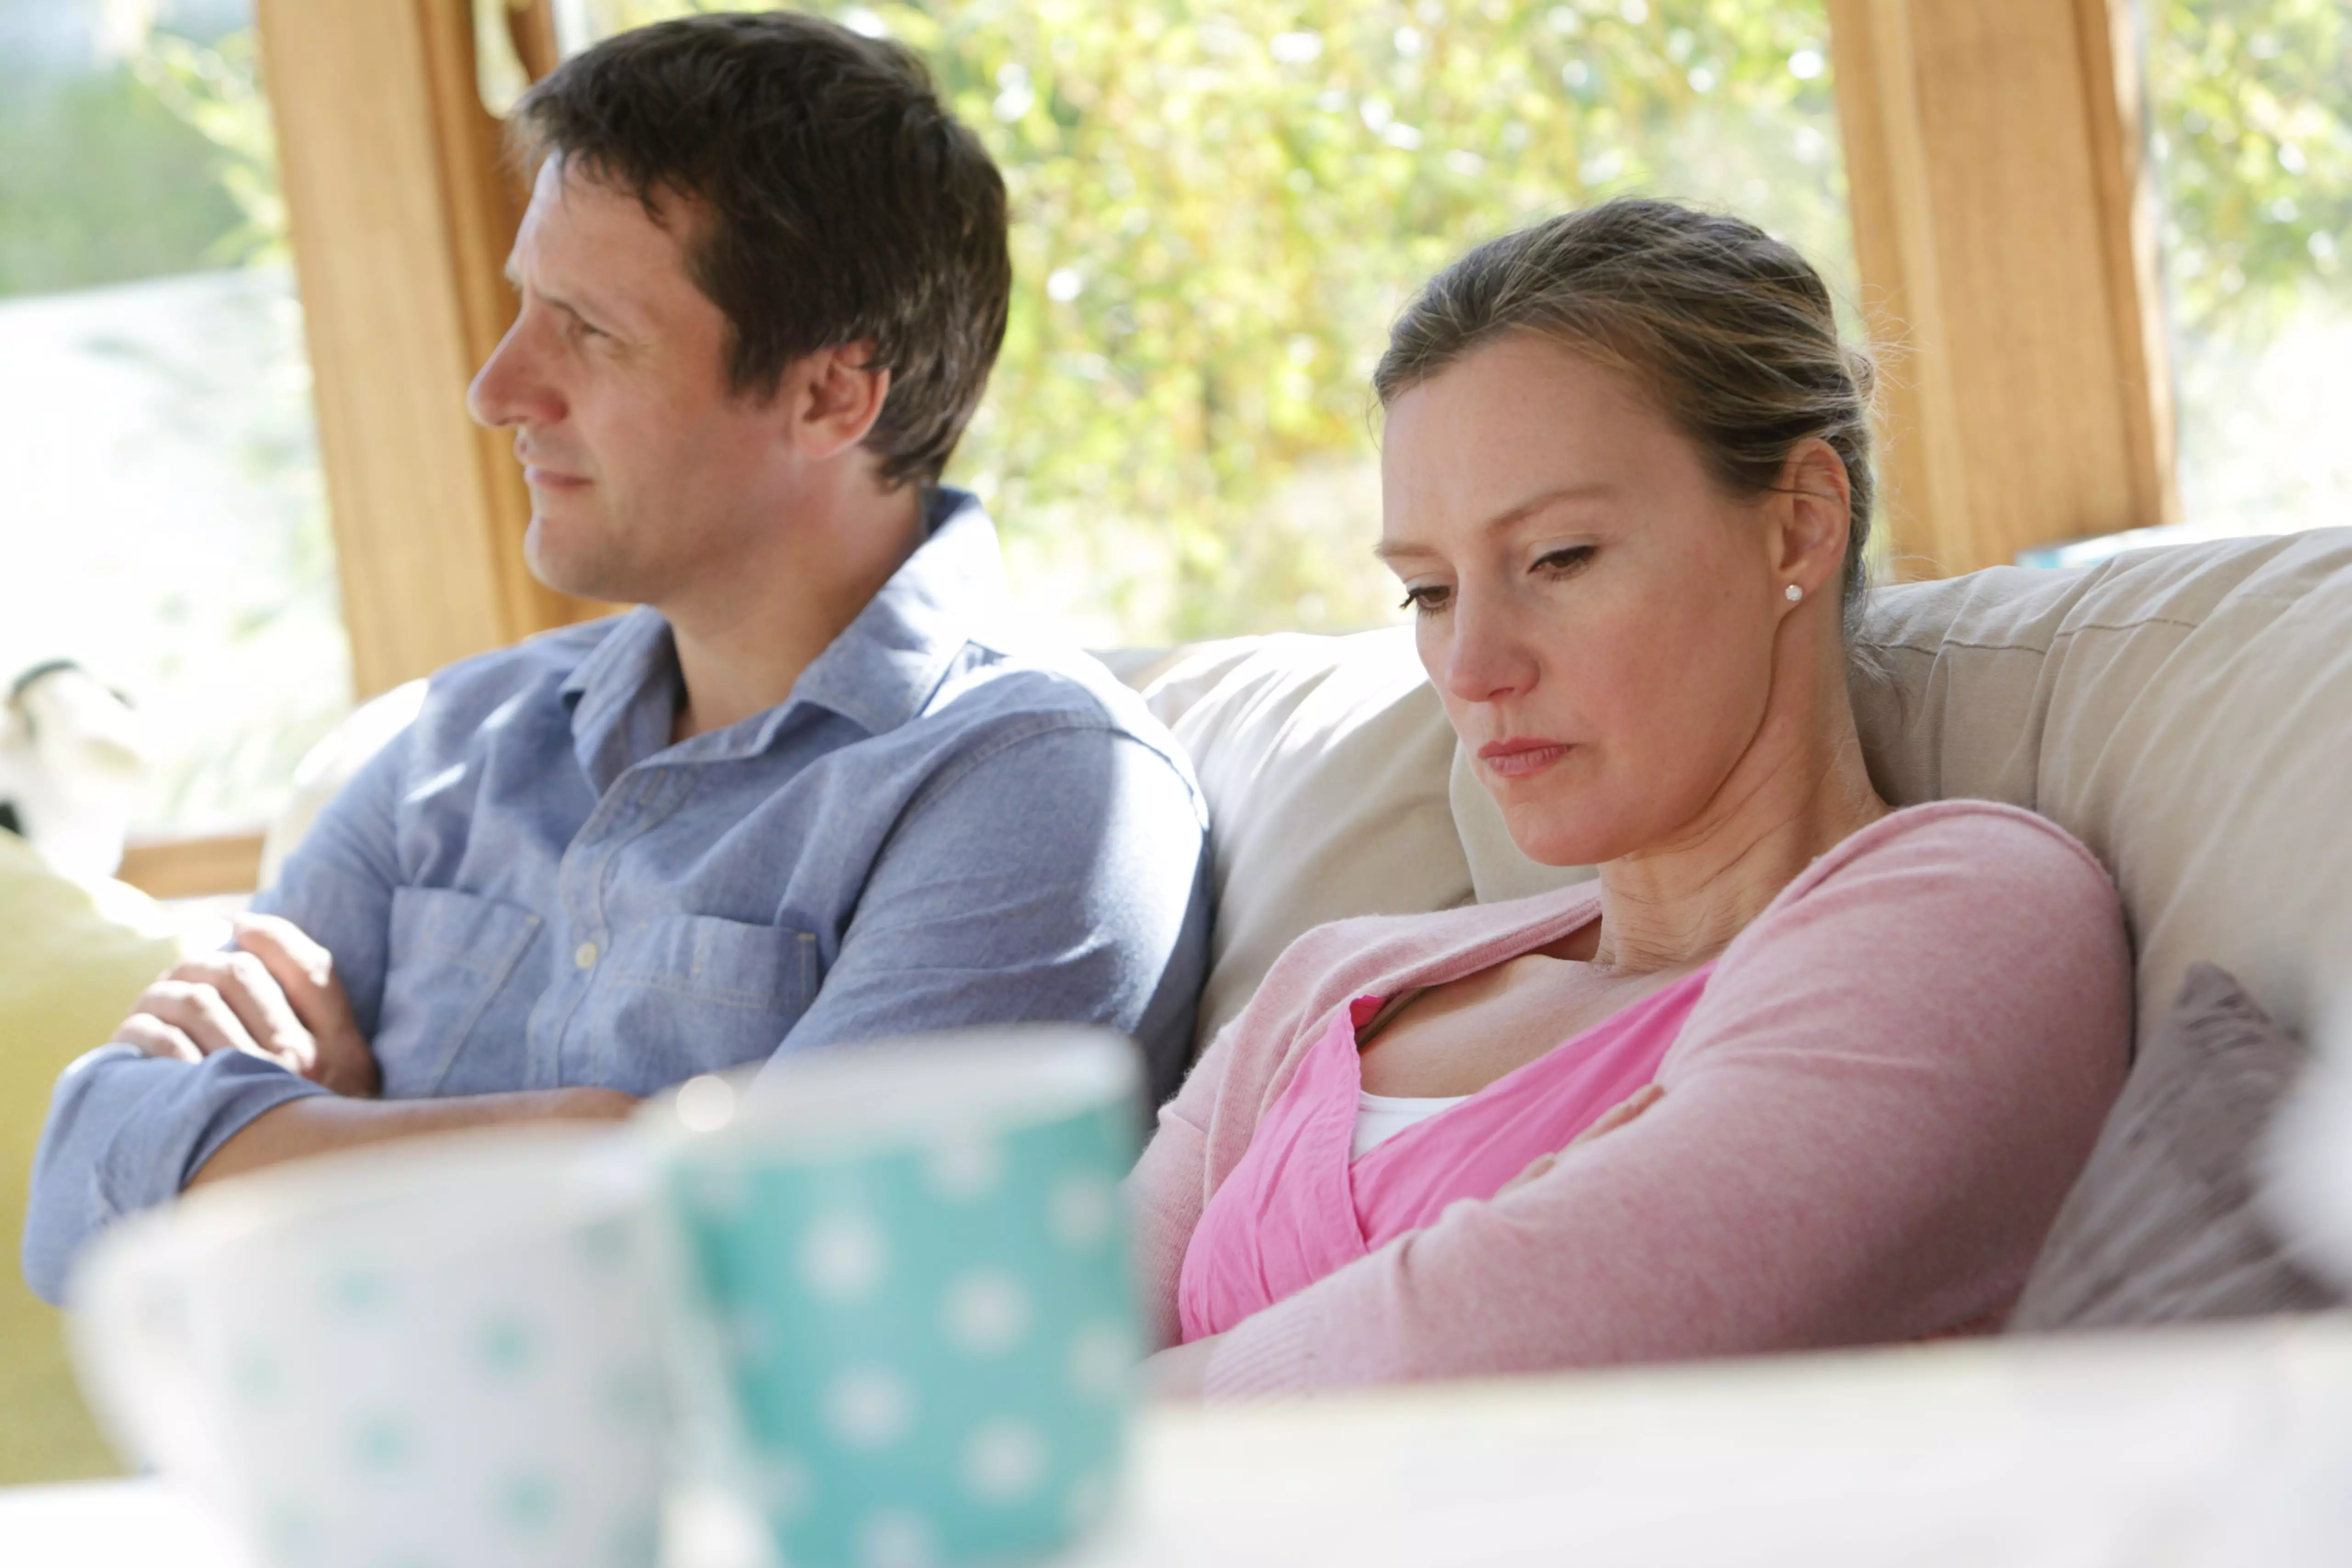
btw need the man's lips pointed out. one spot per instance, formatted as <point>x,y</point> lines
<point>539,474</point>
<point>1519,759</point>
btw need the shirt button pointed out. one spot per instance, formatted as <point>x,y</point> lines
<point>586,957</point>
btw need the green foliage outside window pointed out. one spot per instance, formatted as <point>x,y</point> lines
<point>1217,210</point>
<point>215,90</point>
<point>100,183</point>
<point>2253,137</point>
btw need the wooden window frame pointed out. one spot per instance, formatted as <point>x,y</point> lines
<point>194,867</point>
<point>401,212</point>
<point>2004,232</point>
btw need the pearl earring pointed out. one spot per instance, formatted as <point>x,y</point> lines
<point>1794,593</point>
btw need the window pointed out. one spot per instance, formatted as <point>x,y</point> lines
<point>2251,137</point>
<point>1217,209</point>
<point>160,494</point>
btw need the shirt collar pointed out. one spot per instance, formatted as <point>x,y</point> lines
<point>624,696</point>
<point>878,673</point>
<point>883,667</point>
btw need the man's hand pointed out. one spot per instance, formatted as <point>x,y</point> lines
<point>277,997</point>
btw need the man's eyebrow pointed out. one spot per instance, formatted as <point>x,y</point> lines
<point>1505,517</point>
<point>514,278</point>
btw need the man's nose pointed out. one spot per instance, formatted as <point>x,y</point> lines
<point>509,389</point>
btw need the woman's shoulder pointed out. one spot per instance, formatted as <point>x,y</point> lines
<point>1974,841</point>
<point>1958,931</point>
<point>1965,886</point>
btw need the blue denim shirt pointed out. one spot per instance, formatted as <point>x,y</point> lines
<point>531,886</point>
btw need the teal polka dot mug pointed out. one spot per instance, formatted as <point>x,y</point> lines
<point>903,1318</point>
<point>433,1354</point>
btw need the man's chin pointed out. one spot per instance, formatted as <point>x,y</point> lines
<point>569,565</point>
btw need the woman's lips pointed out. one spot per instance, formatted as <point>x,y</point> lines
<point>1519,759</point>
<point>549,480</point>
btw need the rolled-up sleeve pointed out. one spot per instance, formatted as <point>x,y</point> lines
<point>1059,875</point>
<point>127,1132</point>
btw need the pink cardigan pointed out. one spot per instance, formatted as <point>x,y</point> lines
<point>1871,1118</point>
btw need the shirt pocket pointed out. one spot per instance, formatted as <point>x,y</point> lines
<point>452,956</point>
<point>695,994</point>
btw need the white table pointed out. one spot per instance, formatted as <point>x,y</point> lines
<point>2210,1449</point>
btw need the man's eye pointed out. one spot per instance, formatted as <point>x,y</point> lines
<point>1428,599</point>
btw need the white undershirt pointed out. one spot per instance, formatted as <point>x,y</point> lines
<point>1381,1117</point>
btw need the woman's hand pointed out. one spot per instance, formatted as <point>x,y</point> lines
<point>1616,1116</point>
<point>1180,1373</point>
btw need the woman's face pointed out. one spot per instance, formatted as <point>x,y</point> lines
<point>1598,616</point>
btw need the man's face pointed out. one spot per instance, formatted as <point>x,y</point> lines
<point>648,477</point>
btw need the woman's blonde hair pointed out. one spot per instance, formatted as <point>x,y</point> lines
<point>1730,329</point>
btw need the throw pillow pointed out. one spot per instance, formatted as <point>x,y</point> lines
<point>2163,1225</point>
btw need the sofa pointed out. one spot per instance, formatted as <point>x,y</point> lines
<point>2186,712</point>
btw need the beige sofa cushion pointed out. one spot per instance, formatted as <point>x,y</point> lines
<point>1324,760</point>
<point>2187,713</point>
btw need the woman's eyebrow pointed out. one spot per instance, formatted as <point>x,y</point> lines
<point>1594,490</point>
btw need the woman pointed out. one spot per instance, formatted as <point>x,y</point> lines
<point>1848,1060</point>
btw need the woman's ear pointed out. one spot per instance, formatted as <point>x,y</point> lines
<point>1815,518</point>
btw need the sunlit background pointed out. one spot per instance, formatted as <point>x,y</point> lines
<point>1217,210</point>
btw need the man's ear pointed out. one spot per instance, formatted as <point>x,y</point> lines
<point>837,394</point>
<point>1814,518</point>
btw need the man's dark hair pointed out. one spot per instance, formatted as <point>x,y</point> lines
<point>839,200</point>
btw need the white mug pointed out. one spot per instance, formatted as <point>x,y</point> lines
<point>435,1352</point>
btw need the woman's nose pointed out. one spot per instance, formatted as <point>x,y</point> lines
<point>1486,659</point>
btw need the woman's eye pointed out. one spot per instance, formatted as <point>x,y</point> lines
<point>1428,598</point>
<point>1560,563</point>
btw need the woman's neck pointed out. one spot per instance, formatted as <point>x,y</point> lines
<point>1801,789</point>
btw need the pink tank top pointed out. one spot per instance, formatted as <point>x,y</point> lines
<point>1298,1208</point>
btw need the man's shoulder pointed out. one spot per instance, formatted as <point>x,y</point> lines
<point>998,695</point>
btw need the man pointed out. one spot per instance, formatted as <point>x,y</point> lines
<point>815,790</point>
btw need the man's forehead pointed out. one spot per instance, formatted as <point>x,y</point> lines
<point>594,196</point>
<point>582,232</point>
